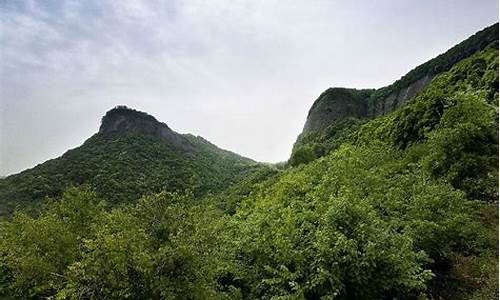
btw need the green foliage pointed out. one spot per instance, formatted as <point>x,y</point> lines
<point>123,167</point>
<point>303,155</point>
<point>464,147</point>
<point>159,248</point>
<point>451,127</point>
<point>399,207</point>
<point>162,247</point>
<point>230,199</point>
<point>473,75</point>
<point>355,225</point>
<point>443,62</point>
<point>470,65</point>
<point>473,274</point>
<point>310,146</point>
<point>36,252</point>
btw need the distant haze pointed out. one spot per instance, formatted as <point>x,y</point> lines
<point>242,74</point>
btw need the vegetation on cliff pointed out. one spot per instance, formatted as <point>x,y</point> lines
<point>403,206</point>
<point>124,165</point>
<point>336,104</point>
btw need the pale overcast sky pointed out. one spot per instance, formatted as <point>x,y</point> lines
<point>242,74</point>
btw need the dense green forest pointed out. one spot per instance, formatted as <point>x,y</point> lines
<point>123,165</point>
<point>443,62</point>
<point>401,206</point>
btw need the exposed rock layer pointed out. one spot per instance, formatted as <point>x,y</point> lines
<point>336,104</point>
<point>124,119</point>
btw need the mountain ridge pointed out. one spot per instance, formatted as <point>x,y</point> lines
<point>132,154</point>
<point>325,110</point>
<point>400,206</point>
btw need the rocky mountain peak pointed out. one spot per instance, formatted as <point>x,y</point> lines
<point>123,119</point>
<point>336,104</point>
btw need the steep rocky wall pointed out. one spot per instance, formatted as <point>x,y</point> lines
<point>127,120</point>
<point>398,98</point>
<point>336,104</point>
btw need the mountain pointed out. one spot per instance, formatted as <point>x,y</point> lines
<point>337,107</point>
<point>396,204</point>
<point>131,155</point>
<point>364,196</point>
<point>336,104</point>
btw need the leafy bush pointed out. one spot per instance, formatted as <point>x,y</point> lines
<point>354,225</point>
<point>453,125</point>
<point>399,207</point>
<point>123,167</point>
<point>162,247</point>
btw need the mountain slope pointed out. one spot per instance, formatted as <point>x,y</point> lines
<point>401,206</point>
<point>337,106</point>
<point>131,155</point>
<point>386,99</point>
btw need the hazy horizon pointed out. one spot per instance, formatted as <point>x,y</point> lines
<point>241,74</point>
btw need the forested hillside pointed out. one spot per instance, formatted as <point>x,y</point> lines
<point>399,206</point>
<point>339,110</point>
<point>132,155</point>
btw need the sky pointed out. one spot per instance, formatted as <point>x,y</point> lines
<point>242,74</point>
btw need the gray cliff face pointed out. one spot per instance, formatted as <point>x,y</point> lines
<point>126,120</point>
<point>398,98</point>
<point>337,104</point>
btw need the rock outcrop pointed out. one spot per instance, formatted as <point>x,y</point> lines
<point>122,119</point>
<point>397,98</point>
<point>337,104</point>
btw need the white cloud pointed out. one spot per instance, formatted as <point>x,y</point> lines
<point>240,73</point>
